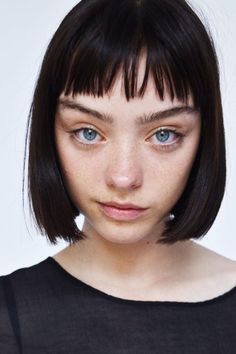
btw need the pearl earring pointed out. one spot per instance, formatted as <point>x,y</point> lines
<point>171,216</point>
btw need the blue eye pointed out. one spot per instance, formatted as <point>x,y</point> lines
<point>163,135</point>
<point>86,135</point>
<point>89,134</point>
<point>165,138</point>
<point>162,138</point>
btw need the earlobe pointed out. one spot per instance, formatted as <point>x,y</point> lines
<point>171,217</point>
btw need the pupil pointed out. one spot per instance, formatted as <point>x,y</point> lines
<point>89,134</point>
<point>163,135</point>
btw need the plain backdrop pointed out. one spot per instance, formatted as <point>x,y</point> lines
<point>26,28</point>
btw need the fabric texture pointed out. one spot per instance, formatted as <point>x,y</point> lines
<point>44,309</point>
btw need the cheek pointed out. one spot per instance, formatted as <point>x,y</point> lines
<point>171,171</point>
<point>80,171</point>
<point>175,168</point>
<point>172,182</point>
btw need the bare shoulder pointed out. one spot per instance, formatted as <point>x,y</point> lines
<point>212,261</point>
<point>214,273</point>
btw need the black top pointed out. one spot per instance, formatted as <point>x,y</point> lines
<point>44,309</point>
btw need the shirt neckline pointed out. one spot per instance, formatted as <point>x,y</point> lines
<point>78,282</point>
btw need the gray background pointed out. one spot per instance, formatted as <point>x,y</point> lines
<point>26,27</point>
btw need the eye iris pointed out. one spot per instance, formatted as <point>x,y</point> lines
<point>89,134</point>
<point>163,135</point>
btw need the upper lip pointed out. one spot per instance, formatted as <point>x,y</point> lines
<point>123,206</point>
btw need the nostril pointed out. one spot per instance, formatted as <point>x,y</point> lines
<point>131,181</point>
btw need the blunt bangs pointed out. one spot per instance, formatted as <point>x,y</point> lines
<point>98,41</point>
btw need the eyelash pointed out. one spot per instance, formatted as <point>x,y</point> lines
<point>169,146</point>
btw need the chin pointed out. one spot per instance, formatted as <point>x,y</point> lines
<point>126,235</point>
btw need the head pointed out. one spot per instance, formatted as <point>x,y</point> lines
<point>127,109</point>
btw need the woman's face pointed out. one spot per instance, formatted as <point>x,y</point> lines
<point>114,151</point>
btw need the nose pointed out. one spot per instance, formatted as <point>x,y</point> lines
<point>124,170</point>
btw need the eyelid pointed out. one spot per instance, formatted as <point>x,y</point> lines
<point>169,128</point>
<point>166,129</point>
<point>84,125</point>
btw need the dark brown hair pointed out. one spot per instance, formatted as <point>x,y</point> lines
<point>96,41</point>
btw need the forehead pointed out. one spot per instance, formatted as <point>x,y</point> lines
<point>114,104</point>
<point>110,109</point>
<point>115,100</point>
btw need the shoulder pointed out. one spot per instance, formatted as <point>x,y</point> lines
<point>213,262</point>
<point>20,280</point>
<point>24,289</point>
<point>213,274</point>
<point>21,294</point>
<point>26,270</point>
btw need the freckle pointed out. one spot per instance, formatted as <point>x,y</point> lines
<point>148,242</point>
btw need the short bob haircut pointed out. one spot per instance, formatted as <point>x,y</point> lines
<point>97,41</point>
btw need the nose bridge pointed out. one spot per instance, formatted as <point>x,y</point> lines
<point>124,165</point>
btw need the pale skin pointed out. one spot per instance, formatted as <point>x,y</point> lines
<point>128,162</point>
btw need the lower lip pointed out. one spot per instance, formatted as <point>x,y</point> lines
<point>121,214</point>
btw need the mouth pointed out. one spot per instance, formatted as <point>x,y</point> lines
<point>122,211</point>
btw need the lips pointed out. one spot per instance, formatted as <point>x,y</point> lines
<point>121,211</point>
<point>123,206</point>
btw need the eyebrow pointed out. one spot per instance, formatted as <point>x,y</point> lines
<point>142,120</point>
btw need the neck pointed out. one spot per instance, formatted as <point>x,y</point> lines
<point>144,262</point>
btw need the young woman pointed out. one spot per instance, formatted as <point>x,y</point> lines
<point>126,128</point>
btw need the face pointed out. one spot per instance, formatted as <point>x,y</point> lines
<point>114,151</point>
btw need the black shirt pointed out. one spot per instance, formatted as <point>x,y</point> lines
<point>44,309</point>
